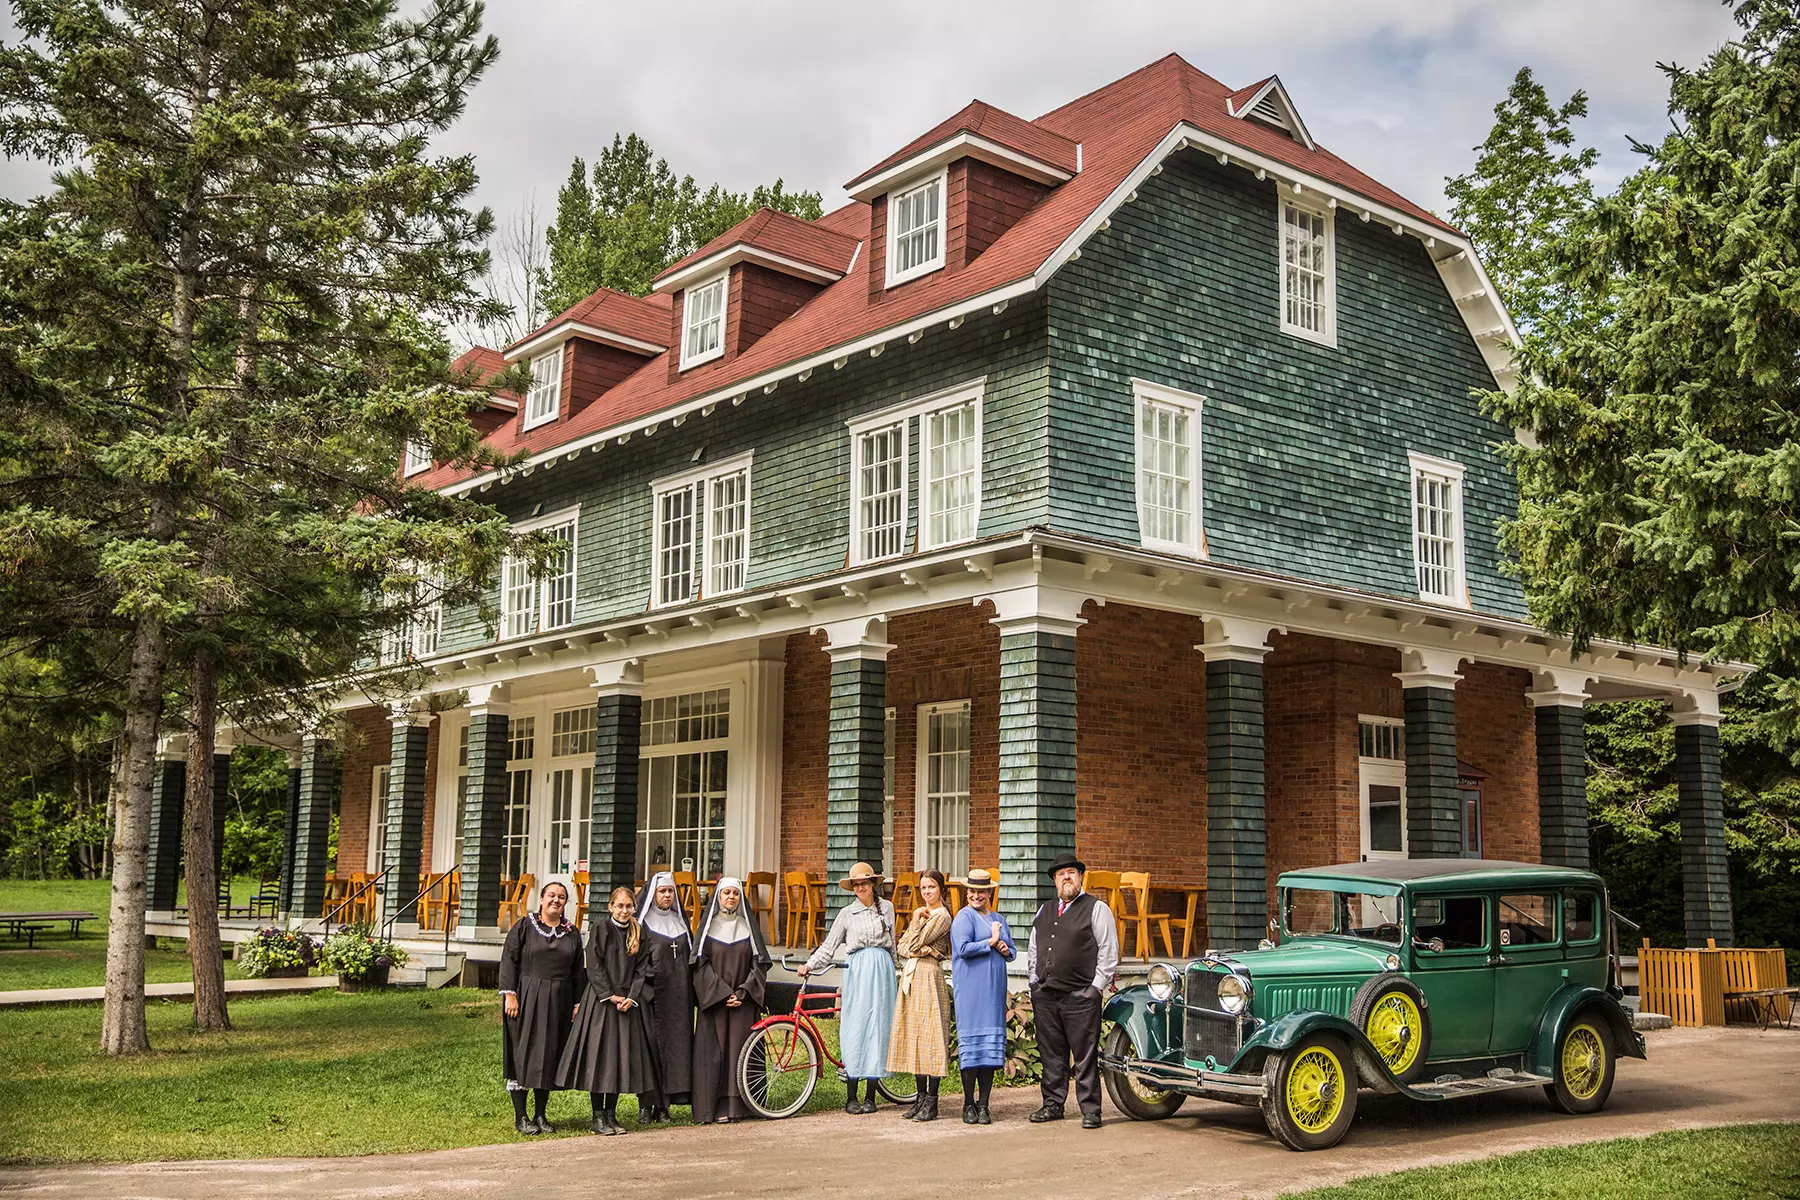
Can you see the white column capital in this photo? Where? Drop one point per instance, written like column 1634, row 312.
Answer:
column 486, row 698
column 1695, row 706
column 1559, row 687
column 621, row 677
column 857, row 638
column 410, row 711
column 1423, row 667
column 1038, row 609
column 1237, row 639
column 172, row 745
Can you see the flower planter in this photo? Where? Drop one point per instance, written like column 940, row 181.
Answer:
column 378, row 974
column 349, row 986
column 298, row 972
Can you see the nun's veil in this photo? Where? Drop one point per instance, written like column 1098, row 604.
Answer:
column 716, row 925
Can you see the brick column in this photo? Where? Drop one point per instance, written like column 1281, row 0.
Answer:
column 1237, row 898
column 168, row 795
column 484, row 814
column 618, row 723
column 410, row 730
column 854, row 751
column 289, row 835
column 1705, row 874
column 1037, row 751
column 312, row 834
column 1434, row 816
column 1561, row 771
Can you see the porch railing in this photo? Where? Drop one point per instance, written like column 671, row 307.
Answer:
column 412, row 906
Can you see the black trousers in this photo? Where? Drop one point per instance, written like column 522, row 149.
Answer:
column 1068, row 1028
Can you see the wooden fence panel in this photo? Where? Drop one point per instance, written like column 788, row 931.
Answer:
column 1686, row 985
column 1748, row 970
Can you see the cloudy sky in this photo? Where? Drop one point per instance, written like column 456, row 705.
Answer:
column 815, row 92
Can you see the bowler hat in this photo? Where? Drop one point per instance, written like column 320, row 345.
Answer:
column 1067, row 860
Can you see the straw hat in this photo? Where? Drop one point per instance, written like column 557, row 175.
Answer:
column 980, row 879
column 862, row 872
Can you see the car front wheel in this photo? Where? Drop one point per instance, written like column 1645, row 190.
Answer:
column 1309, row 1093
column 1134, row 1098
column 1584, row 1066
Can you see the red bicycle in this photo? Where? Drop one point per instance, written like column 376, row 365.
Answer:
column 785, row 1054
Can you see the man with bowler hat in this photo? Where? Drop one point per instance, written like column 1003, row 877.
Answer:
column 1074, row 951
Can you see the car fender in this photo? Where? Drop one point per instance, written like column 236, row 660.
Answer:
column 1147, row 1022
column 1278, row 1035
column 1563, row 1007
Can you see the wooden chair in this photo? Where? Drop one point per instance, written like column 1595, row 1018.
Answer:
column 579, row 899
column 805, row 917
column 687, row 896
column 515, row 899
column 1136, row 910
column 1195, row 899
column 1104, row 886
column 762, row 910
column 337, row 887
column 433, row 892
column 906, row 898
column 958, row 897
column 362, row 896
column 453, row 905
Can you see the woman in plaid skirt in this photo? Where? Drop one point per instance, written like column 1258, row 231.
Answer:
column 921, row 1041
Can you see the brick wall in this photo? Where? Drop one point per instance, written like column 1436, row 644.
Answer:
column 805, row 709
column 367, row 745
column 1496, row 732
column 432, row 742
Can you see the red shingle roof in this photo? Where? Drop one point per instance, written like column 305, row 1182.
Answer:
column 1118, row 125
column 1243, row 96
column 997, row 126
column 640, row 318
column 485, row 363
column 779, row 233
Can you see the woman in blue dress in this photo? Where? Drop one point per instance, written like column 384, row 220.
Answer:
column 864, row 929
column 981, row 945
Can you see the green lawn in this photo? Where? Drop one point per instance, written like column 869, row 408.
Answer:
column 1731, row 1162
column 316, row 1074
column 62, row 961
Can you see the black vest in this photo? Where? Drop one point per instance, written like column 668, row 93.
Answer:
column 1067, row 953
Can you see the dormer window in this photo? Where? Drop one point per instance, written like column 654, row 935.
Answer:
column 916, row 231
column 703, row 321
column 418, row 457
column 546, row 388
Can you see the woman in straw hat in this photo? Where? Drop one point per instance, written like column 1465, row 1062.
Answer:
column 921, row 1041
column 864, row 930
column 982, row 943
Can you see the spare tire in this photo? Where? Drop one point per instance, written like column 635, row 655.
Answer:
column 1390, row 1011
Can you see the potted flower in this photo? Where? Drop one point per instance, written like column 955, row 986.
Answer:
column 275, row 954
column 357, row 957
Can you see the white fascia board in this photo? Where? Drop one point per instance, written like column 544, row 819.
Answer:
column 732, row 255
column 962, row 145
column 557, row 335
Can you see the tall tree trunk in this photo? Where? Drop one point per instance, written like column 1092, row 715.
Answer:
column 197, row 843
column 122, row 1028
column 115, row 787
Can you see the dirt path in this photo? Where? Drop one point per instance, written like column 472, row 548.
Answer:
column 1694, row 1078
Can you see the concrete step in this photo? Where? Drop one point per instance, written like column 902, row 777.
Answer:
column 1645, row 1021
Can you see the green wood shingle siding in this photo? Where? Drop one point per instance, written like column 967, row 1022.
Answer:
column 168, row 799
column 290, row 827
column 1237, row 904
column 1303, row 446
column 1037, row 767
column 612, row 838
column 405, row 818
column 854, row 769
column 1562, row 785
column 1434, row 814
column 484, row 821
column 1700, row 805
column 318, row 782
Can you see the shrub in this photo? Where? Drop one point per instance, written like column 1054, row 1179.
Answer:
column 270, row 950
column 353, row 952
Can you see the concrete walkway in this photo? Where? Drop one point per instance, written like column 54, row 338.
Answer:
column 1694, row 1078
column 166, row 991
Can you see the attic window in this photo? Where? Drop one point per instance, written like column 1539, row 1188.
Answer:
column 703, row 319
column 1270, row 104
column 1267, row 110
column 418, row 457
column 546, row 388
column 916, row 231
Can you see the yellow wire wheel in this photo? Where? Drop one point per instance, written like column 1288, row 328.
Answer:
column 1583, row 1061
column 1315, row 1089
column 1392, row 1013
column 1309, row 1096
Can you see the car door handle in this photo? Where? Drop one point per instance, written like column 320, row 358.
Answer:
column 1498, row 960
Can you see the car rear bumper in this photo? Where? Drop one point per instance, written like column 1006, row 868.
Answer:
column 1171, row 1078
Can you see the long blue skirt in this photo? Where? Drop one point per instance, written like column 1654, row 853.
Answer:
column 866, row 1012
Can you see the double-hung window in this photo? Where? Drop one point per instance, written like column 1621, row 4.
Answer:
column 418, row 457
column 1308, row 272
column 1437, row 527
column 702, row 533
column 378, row 827
column 546, row 388
column 534, row 601
column 418, row 636
column 915, row 223
column 703, row 322
column 947, row 426
column 1168, row 468
column 944, row 790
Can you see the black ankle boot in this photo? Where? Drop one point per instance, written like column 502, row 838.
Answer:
column 521, row 1122
column 852, row 1105
column 540, row 1101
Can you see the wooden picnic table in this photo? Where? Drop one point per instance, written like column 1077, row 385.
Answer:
column 1765, row 1002
column 29, row 924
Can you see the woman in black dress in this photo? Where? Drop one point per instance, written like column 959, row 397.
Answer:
column 672, row 1006
column 540, row 983
column 609, row 1048
column 730, row 967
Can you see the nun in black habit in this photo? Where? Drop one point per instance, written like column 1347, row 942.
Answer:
column 540, row 982
column 672, row 1005
column 730, row 967
column 609, row 1048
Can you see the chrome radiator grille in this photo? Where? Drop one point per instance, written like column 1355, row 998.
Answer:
column 1206, row 1030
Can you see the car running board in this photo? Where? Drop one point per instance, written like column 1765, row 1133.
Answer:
column 1500, row 1079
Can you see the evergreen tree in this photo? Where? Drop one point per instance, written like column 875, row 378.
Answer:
column 621, row 224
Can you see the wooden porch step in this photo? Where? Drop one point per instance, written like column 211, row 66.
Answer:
column 1500, row 1079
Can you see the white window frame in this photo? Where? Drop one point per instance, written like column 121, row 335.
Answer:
column 722, row 282
column 418, row 458
column 704, row 478
column 1380, row 772
column 540, row 593
column 921, row 410
column 548, row 385
column 1451, row 475
column 420, row 637
column 1326, row 334
column 922, row 780
column 378, row 794
column 1144, row 395
column 859, row 528
column 942, row 182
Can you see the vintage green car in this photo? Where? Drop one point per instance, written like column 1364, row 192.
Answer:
column 1433, row 978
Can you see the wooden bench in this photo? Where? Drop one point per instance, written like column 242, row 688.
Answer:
column 1766, row 1003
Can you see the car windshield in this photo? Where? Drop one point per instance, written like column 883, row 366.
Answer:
column 1310, row 912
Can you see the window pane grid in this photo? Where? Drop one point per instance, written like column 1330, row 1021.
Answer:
column 693, row 717
column 1435, row 529
column 518, row 598
column 727, row 521
column 572, row 732
column 1381, row 740
column 1166, row 483
column 1303, row 254
column 881, row 491
column 546, row 383
column 947, row 790
column 678, row 536
column 521, row 738
column 952, row 457
column 705, row 309
column 917, row 228
column 558, row 582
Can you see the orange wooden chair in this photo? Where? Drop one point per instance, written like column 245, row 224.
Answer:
column 906, row 898
column 579, row 899
column 1137, row 911
column 1104, row 886
column 805, row 919
column 762, row 910
column 687, row 896
column 515, row 899
column 434, row 891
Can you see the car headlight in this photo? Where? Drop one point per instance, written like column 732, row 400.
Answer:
column 1234, row 997
column 1162, row 983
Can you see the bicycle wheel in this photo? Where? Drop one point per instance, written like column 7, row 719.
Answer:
column 900, row 1088
column 778, row 1069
